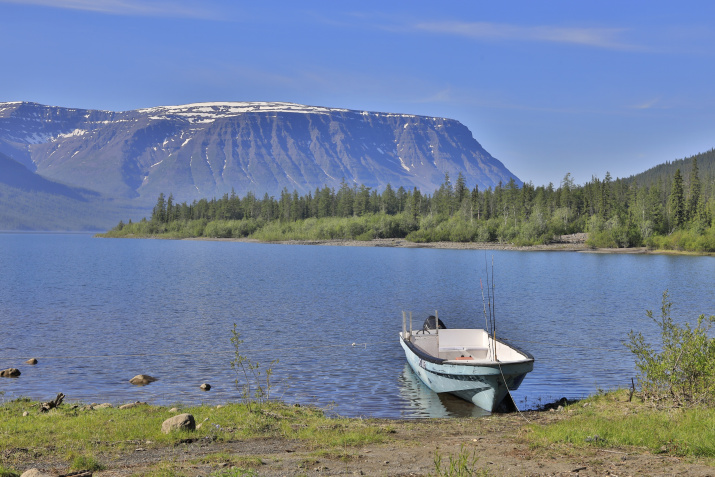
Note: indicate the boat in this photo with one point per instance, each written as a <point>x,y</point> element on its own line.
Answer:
<point>469,363</point>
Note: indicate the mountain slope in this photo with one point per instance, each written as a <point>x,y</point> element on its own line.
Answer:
<point>14,174</point>
<point>665,171</point>
<point>208,149</point>
<point>31,202</point>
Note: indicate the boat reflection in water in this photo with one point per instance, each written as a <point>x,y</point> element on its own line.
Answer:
<point>423,402</point>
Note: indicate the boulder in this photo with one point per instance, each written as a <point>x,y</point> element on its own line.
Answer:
<point>180,422</point>
<point>35,473</point>
<point>142,379</point>
<point>103,405</point>
<point>205,386</point>
<point>132,404</point>
<point>10,373</point>
<point>31,361</point>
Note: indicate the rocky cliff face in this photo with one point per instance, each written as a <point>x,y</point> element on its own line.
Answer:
<point>207,149</point>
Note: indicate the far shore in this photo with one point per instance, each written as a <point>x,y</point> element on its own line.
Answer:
<point>568,243</point>
<point>402,243</point>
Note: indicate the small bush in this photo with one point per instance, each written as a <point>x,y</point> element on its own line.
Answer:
<point>683,369</point>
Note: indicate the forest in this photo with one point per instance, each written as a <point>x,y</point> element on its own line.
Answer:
<point>671,206</point>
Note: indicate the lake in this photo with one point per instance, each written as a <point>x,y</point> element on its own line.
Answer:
<point>96,312</point>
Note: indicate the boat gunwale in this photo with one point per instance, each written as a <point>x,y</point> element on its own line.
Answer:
<point>432,359</point>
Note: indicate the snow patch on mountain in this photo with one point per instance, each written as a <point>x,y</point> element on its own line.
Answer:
<point>209,112</point>
<point>76,132</point>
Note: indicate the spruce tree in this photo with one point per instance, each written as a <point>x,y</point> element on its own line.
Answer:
<point>677,202</point>
<point>694,197</point>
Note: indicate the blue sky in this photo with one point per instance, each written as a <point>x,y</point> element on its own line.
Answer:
<point>548,88</point>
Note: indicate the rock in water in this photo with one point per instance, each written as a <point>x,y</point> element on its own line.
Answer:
<point>179,422</point>
<point>31,361</point>
<point>142,379</point>
<point>10,373</point>
<point>205,387</point>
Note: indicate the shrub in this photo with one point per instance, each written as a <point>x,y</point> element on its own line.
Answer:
<point>255,386</point>
<point>683,369</point>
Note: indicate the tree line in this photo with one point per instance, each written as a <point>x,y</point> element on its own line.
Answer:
<point>671,211</point>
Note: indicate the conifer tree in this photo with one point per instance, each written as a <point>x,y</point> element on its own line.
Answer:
<point>677,202</point>
<point>694,197</point>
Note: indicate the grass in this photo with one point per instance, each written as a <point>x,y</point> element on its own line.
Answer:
<point>464,464</point>
<point>86,439</point>
<point>609,420</point>
<point>74,432</point>
<point>85,462</point>
<point>7,472</point>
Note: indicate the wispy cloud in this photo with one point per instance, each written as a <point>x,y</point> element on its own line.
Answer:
<point>155,8</point>
<point>646,104</point>
<point>595,37</point>
<point>441,96</point>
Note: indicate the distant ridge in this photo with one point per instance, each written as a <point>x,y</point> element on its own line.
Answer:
<point>665,171</point>
<point>205,150</point>
<point>16,175</point>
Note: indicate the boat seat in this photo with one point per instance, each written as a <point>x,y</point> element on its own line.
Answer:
<point>477,352</point>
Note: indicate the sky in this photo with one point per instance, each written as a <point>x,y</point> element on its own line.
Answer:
<point>547,87</point>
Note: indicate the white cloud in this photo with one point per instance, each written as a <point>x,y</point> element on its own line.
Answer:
<point>595,37</point>
<point>162,8</point>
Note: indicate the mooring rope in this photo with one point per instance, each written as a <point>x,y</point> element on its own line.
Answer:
<point>510,396</point>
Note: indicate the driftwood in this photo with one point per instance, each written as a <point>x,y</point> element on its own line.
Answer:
<point>46,406</point>
<point>633,390</point>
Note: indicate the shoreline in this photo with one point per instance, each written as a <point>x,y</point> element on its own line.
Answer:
<point>568,243</point>
<point>278,440</point>
<point>402,243</point>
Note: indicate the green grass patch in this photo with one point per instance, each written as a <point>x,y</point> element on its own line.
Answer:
<point>7,472</point>
<point>609,420</point>
<point>73,432</point>
<point>85,462</point>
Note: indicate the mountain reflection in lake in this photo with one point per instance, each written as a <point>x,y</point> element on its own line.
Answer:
<point>96,312</point>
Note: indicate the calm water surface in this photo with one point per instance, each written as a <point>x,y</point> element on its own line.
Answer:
<point>96,312</point>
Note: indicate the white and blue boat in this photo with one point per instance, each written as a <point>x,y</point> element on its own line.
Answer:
<point>468,363</point>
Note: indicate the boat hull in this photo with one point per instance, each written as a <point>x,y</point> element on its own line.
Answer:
<point>485,385</point>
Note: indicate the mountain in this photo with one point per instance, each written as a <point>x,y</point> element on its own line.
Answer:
<point>28,201</point>
<point>14,174</point>
<point>205,150</point>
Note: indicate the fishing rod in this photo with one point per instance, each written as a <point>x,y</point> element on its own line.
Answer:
<point>489,320</point>
<point>494,315</point>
